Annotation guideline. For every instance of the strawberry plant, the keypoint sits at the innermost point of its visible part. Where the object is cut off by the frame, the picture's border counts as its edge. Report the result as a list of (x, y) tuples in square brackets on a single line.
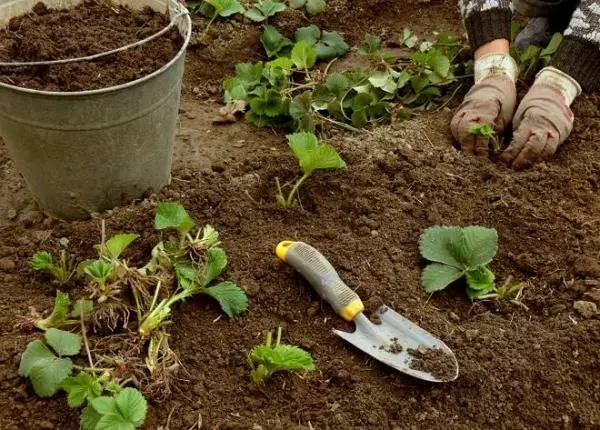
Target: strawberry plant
[(486, 130), (49, 367), (196, 260), (264, 9), (458, 252), (311, 156), (62, 270), (266, 359)]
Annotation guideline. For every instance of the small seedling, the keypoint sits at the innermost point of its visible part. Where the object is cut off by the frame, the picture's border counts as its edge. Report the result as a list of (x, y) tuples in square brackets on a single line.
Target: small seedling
[(264, 9), (222, 8), (196, 260), (482, 129), (273, 358), (508, 291), (312, 155), (458, 252), (60, 316), (62, 270), (373, 50)]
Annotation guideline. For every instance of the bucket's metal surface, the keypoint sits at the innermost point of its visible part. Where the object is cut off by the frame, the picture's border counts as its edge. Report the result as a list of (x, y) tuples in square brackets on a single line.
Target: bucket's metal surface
[(85, 152)]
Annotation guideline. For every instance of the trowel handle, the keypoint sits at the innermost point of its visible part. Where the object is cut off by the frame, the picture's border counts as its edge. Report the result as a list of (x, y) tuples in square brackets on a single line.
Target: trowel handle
[(313, 266)]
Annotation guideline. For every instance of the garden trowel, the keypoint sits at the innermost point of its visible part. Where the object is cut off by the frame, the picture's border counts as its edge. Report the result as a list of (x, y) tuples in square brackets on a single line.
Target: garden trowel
[(390, 341)]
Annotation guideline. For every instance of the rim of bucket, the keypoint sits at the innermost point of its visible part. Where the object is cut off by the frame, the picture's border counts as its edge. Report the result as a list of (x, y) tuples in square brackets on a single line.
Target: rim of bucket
[(186, 42)]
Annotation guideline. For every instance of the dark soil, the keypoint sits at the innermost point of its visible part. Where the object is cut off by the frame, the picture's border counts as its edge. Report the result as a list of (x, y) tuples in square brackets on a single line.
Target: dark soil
[(89, 28), (433, 361), (519, 369)]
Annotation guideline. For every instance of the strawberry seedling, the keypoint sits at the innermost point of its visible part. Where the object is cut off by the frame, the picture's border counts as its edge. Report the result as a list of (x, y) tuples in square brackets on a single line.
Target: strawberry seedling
[(266, 359), (458, 252), (312, 155), (486, 130), (313, 7), (61, 270), (196, 260)]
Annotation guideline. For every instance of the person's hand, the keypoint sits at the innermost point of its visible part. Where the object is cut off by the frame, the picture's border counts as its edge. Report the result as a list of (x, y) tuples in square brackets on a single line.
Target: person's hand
[(492, 101), (542, 122)]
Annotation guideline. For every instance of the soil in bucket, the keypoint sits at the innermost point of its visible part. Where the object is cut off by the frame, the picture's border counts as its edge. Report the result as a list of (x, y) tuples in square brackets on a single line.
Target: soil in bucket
[(89, 28)]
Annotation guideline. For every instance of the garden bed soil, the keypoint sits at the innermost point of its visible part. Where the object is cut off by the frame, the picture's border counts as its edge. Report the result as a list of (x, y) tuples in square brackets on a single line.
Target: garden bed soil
[(519, 369), (90, 28)]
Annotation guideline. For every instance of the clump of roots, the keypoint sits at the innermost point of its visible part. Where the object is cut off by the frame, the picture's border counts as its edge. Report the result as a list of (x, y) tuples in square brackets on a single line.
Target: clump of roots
[(110, 316)]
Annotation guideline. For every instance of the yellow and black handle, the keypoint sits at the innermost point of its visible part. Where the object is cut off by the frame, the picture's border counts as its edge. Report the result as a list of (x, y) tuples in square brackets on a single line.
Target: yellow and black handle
[(315, 268)]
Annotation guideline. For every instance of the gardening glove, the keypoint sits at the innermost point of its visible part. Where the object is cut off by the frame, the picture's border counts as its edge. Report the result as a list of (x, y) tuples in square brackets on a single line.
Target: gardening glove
[(543, 120), (490, 101)]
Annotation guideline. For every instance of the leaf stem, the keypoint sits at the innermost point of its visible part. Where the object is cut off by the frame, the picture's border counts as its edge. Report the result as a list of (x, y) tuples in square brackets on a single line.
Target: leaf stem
[(85, 339), (296, 188), (91, 369), (205, 32)]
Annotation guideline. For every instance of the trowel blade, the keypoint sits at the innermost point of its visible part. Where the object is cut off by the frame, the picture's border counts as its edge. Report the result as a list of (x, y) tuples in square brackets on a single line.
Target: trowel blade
[(381, 342)]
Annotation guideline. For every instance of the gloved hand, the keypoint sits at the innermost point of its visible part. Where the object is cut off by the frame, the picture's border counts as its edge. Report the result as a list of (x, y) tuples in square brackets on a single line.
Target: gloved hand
[(543, 120), (492, 101)]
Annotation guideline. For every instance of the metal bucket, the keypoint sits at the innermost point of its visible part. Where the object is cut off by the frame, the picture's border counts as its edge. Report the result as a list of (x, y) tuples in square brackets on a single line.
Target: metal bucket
[(85, 152)]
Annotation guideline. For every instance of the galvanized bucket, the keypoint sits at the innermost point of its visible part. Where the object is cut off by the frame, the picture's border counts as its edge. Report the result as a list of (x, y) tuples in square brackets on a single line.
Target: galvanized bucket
[(85, 152)]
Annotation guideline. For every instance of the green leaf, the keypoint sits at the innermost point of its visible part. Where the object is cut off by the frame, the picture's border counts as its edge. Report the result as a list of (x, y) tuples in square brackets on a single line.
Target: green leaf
[(480, 279), (310, 34), (384, 81), (117, 244), (210, 236), (480, 245), (314, 7), (403, 79), (82, 306), (45, 370), (64, 343), (264, 9), (282, 63), (283, 357), (249, 73), (476, 294), (301, 111), (273, 41), (226, 8), (171, 215), (216, 261), (338, 84), (114, 422), (232, 298), (187, 276), (440, 244), (42, 260), (58, 317), (372, 45), (297, 4), (89, 418), (553, 45), (132, 405), (482, 129), (303, 55), (268, 102), (437, 276), (331, 45), (440, 64), (408, 39), (99, 270), (312, 155), (105, 405), (81, 388), (419, 83), (35, 354)]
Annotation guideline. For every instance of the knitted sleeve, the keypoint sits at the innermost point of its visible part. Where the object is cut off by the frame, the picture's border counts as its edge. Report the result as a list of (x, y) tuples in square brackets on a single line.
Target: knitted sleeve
[(486, 20), (579, 53)]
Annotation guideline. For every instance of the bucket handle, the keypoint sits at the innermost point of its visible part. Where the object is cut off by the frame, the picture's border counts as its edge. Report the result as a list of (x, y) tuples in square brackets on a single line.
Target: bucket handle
[(102, 54)]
